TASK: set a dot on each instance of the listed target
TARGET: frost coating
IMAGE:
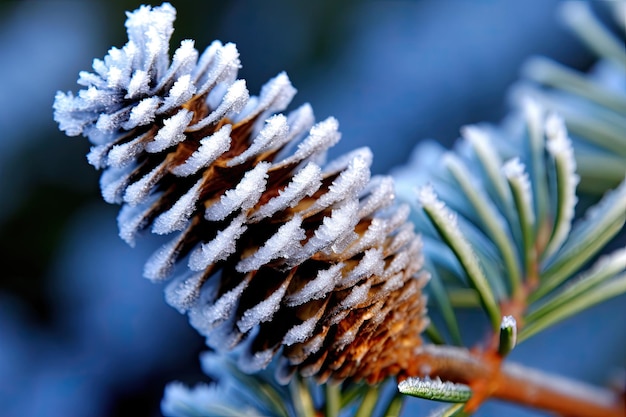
(371, 264)
(322, 136)
(113, 182)
(182, 90)
(143, 113)
(121, 155)
(340, 223)
(132, 219)
(183, 292)
(560, 147)
(273, 134)
(275, 96)
(322, 284)
(281, 247)
(283, 244)
(347, 185)
(171, 133)
(137, 192)
(162, 261)
(515, 172)
(218, 64)
(206, 317)
(177, 217)
(219, 248)
(301, 332)
(304, 183)
(233, 101)
(210, 149)
(243, 197)
(381, 195)
(435, 389)
(262, 311)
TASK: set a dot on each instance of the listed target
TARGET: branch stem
(489, 377)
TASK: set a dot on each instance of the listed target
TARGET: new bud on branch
(286, 254)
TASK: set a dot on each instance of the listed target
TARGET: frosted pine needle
(284, 254)
(435, 389)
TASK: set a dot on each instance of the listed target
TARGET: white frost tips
(271, 136)
(398, 218)
(374, 236)
(275, 96)
(277, 93)
(382, 194)
(558, 141)
(339, 225)
(177, 216)
(132, 219)
(223, 245)
(306, 182)
(427, 196)
(357, 295)
(403, 236)
(300, 332)
(233, 101)
(206, 317)
(399, 263)
(322, 136)
(364, 154)
(263, 311)
(160, 264)
(372, 263)
(143, 113)
(138, 85)
(317, 288)
(515, 171)
(211, 148)
(183, 63)
(113, 182)
(244, 196)
(97, 156)
(171, 133)
(138, 191)
(217, 64)
(283, 243)
(206, 59)
(338, 228)
(253, 362)
(300, 120)
(182, 90)
(64, 114)
(125, 153)
(347, 185)
(183, 292)
(161, 18)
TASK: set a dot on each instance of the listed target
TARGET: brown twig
(517, 384)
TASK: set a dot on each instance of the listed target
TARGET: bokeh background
(81, 332)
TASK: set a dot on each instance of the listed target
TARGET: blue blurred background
(81, 332)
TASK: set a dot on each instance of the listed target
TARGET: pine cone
(295, 256)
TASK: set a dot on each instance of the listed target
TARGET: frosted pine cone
(286, 253)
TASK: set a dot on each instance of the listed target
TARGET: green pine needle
(435, 389)
(594, 296)
(491, 219)
(446, 224)
(588, 236)
(604, 269)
